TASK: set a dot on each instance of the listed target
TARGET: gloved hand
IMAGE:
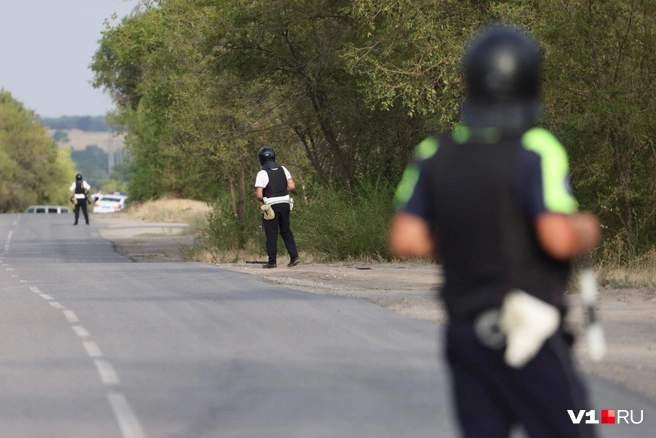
(267, 212)
(527, 322)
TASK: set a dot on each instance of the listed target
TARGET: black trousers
(81, 203)
(279, 224)
(491, 397)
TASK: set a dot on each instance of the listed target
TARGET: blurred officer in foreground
(492, 202)
(80, 189)
(272, 186)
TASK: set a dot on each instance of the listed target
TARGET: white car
(109, 203)
(56, 209)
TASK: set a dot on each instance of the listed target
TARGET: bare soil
(409, 288)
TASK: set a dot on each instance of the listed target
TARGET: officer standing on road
(272, 186)
(80, 189)
(491, 201)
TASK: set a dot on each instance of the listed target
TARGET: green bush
(225, 232)
(340, 225)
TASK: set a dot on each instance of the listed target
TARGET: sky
(46, 47)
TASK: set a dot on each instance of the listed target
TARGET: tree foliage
(601, 94)
(92, 162)
(32, 168)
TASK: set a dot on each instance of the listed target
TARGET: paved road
(92, 345)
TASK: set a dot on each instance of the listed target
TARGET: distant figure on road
(80, 189)
(272, 186)
(492, 202)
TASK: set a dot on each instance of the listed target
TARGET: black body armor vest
(79, 188)
(486, 242)
(277, 185)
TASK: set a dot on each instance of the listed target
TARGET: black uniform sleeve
(527, 183)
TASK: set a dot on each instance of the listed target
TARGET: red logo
(607, 416)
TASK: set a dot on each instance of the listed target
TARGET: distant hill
(111, 143)
(85, 135)
(83, 123)
(78, 132)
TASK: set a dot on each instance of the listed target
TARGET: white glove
(291, 204)
(527, 322)
(267, 212)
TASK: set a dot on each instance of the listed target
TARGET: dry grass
(186, 211)
(638, 273)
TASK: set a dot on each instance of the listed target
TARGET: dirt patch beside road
(405, 288)
(629, 315)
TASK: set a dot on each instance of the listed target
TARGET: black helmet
(266, 154)
(78, 177)
(502, 72)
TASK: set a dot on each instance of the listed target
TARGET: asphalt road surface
(93, 345)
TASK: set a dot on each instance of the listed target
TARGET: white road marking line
(80, 331)
(8, 240)
(127, 420)
(57, 305)
(92, 349)
(35, 290)
(107, 372)
(24, 281)
(71, 316)
(46, 297)
(9, 269)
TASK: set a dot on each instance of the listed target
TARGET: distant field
(79, 140)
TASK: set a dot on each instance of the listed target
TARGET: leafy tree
(143, 68)
(61, 136)
(601, 93)
(32, 168)
(296, 50)
(92, 163)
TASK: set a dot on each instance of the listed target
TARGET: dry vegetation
(635, 274)
(187, 211)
